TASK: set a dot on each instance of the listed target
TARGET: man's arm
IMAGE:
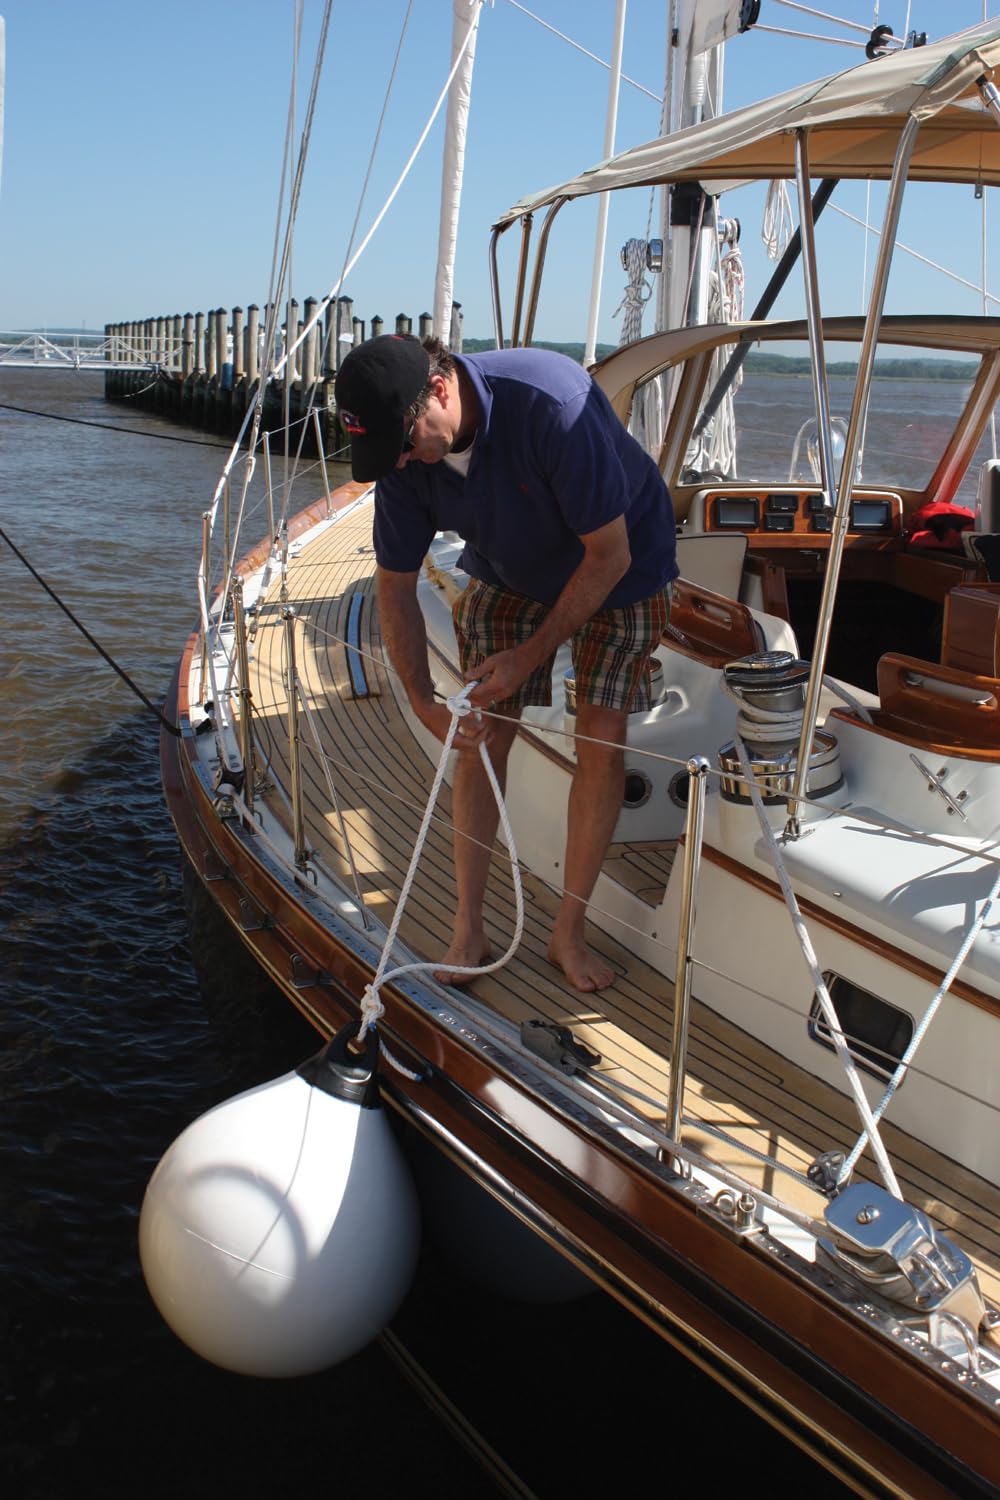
(606, 559)
(405, 637)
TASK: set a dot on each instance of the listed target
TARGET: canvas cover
(853, 119)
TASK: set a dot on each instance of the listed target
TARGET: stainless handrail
(536, 280)
(266, 447)
(859, 406)
(294, 742)
(245, 695)
(527, 221)
(495, 288)
(321, 450)
(698, 769)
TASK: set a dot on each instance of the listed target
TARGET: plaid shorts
(611, 651)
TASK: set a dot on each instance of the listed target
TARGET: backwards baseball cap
(375, 387)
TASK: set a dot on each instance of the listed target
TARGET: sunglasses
(408, 441)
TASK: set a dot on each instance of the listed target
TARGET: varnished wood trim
(302, 521)
(909, 736)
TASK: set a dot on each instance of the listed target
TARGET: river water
(109, 1046)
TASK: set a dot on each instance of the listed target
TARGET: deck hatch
(877, 1033)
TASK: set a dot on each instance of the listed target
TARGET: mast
(465, 24)
(694, 90)
(611, 125)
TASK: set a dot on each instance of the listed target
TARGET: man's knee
(601, 732)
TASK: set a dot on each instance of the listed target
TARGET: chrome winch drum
(770, 686)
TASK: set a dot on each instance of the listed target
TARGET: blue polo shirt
(551, 462)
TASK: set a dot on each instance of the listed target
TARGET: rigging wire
(915, 254)
(579, 48)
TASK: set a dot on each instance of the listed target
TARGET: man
(569, 535)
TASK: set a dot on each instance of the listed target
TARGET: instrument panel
(786, 516)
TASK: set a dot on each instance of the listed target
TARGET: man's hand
(473, 730)
(498, 676)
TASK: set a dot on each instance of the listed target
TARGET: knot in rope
(372, 1009)
(458, 704)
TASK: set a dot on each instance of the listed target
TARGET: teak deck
(382, 779)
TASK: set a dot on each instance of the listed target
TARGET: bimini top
(854, 120)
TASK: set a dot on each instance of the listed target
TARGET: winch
(770, 687)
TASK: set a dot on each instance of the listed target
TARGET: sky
(143, 147)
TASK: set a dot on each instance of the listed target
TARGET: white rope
(839, 691)
(819, 983)
(371, 1005)
(726, 286)
(638, 291)
(970, 937)
(813, 36)
(776, 230)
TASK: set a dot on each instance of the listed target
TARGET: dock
(203, 369)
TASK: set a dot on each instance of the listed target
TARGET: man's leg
(594, 803)
(475, 817)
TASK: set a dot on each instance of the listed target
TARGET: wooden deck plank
(735, 1082)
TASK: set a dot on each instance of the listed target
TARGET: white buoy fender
(280, 1231)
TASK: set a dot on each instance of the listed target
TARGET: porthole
(877, 1033)
(679, 789)
(638, 789)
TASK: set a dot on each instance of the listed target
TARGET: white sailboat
(772, 1136)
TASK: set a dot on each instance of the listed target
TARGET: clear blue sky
(143, 143)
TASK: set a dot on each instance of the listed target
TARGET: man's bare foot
(464, 954)
(584, 968)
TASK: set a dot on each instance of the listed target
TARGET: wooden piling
(203, 368)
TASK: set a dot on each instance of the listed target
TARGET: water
(109, 1047)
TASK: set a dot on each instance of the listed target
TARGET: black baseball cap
(375, 388)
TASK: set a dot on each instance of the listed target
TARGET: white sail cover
(465, 21)
(854, 121)
(708, 22)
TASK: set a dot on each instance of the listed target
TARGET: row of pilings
(203, 369)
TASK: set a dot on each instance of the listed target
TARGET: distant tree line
(885, 369)
(787, 364)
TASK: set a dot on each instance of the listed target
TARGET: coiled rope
(638, 291)
(765, 726)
